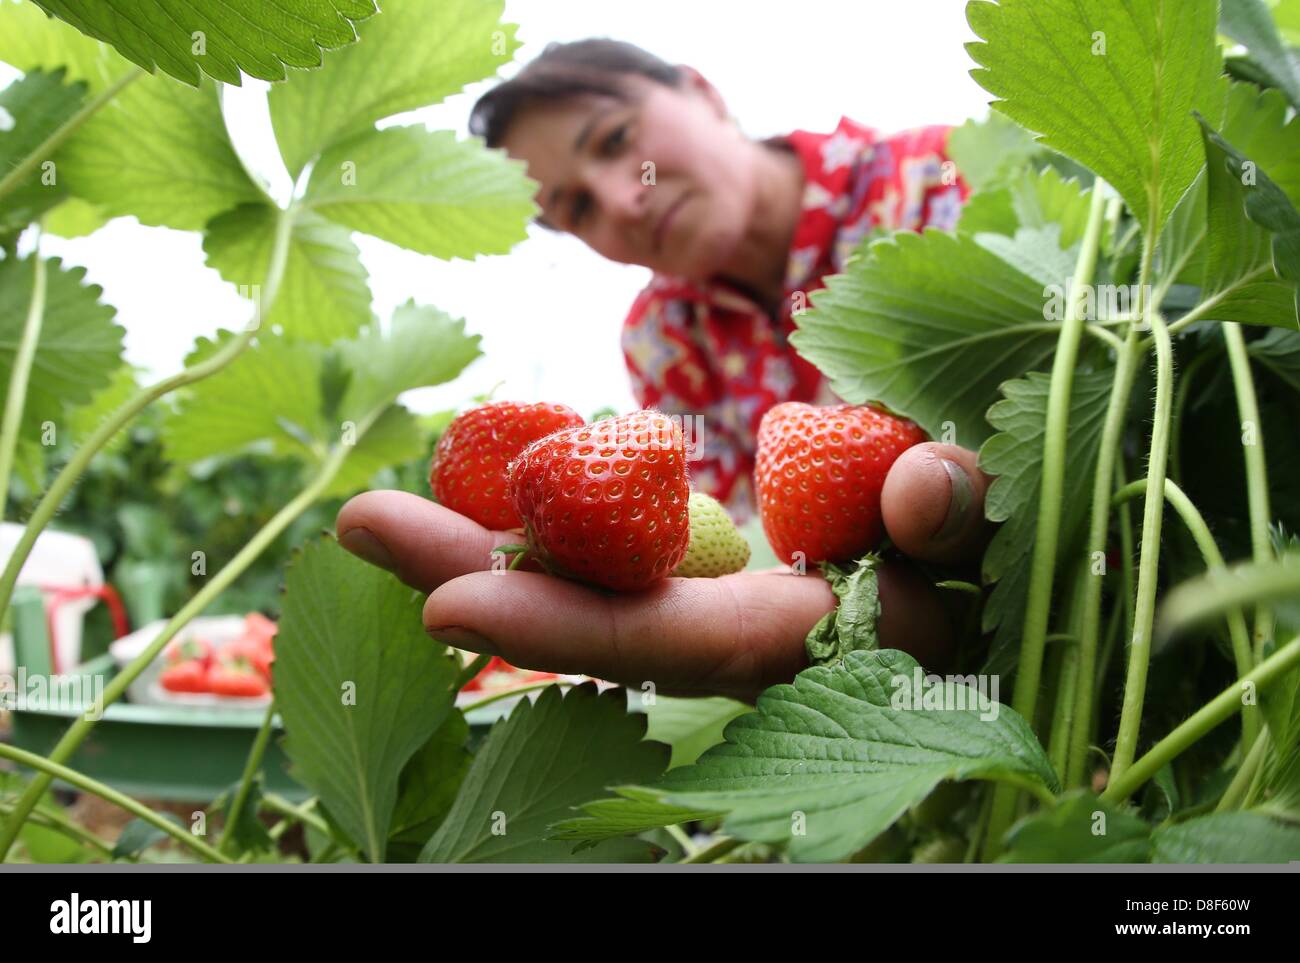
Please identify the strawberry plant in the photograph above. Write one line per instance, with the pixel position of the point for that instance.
(1114, 323)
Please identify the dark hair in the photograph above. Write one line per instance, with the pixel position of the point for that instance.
(563, 71)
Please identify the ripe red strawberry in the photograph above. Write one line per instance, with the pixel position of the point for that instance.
(470, 466)
(818, 475)
(607, 502)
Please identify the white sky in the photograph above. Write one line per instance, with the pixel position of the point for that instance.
(551, 310)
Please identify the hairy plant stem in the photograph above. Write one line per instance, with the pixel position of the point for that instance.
(16, 399)
(1256, 469)
(49, 770)
(1126, 366)
(1144, 607)
(251, 765)
(1200, 532)
(1043, 563)
(77, 464)
(1202, 721)
(1234, 796)
(55, 140)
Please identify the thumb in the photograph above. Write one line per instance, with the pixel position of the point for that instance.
(933, 503)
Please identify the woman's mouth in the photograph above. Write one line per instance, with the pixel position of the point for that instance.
(665, 222)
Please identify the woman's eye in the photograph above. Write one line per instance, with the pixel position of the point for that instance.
(580, 205)
(616, 138)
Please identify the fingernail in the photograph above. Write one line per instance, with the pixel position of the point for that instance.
(461, 638)
(362, 543)
(959, 504)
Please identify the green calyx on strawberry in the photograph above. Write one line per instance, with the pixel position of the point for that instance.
(607, 502)
(818, 474)
(470, 469)
(716, 545)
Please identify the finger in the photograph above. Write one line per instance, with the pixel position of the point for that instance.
(733, 635)
(421, 542)
(933, 503)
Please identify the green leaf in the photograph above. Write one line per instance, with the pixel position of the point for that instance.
(159, 151)
(359, 685)
(633, 810)
(79, 350)
(851, 625)
(138, 835)
(395, 439)
(1036, 200)
(691, 725)
(1249, 23)
(1079, 829)
(1201, 598)
(33, 108)
(430, 782)
(1245, 208)
(931, 324)
(845, 750)
(422, 347)
(412, 55)
(990, 151)
(324, 293)
(75, 217)
(548, 757)
(1110, 83)
(222, 37)
(1015, 456)
(1279, 352)
(29, 39)
(249, 834)
(270, 394)
(426, 191)
(1241, 837)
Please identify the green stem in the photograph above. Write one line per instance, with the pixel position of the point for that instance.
(47, 147)
(72, 471)
(51, 770)
(1103, 666)
(714, 851)
(676, 832)
(1126, 365)
(1206, 718)
(1256, 469)
(301, 814)
(1043, 563)
(78, 731)
(251, 765)
(1234, 796)
(506, 694)
(471, 670)
(22, 369)
(1200, 532)
(61, 824)
(1144, 608)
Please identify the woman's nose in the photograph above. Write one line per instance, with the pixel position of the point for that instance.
(621, 196)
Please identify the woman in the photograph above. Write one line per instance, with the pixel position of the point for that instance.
(639, 159)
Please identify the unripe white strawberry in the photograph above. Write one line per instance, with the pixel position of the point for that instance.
(716, 546)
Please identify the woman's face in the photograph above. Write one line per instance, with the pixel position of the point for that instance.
(666, 181)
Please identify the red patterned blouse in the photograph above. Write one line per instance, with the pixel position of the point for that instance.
(707, 351)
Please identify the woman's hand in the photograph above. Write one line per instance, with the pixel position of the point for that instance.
(734, 635)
